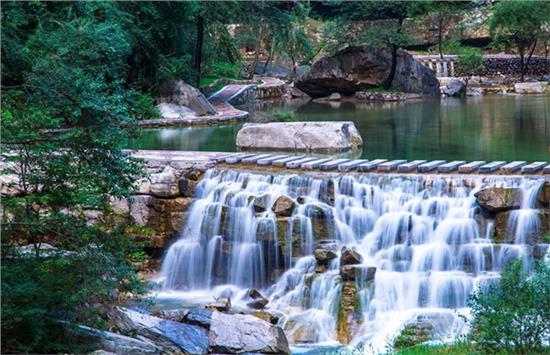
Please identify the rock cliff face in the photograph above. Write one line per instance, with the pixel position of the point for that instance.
(358, 68)
(180, 93)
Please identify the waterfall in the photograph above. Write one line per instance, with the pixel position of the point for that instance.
(424, 236)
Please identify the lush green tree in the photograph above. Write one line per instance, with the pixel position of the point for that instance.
(519, 25)
(515, 313)
(66, 104)
(441, 14)
(470, 61)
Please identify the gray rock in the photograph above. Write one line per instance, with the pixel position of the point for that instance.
(324, 256)
(180, 93)
(332, 97)
(497, 199)
(350, 257)
(172, 111)
(168, 335)
(300, 136)
(537, 87)
(222, 304)
(260, 202)
(358, 68)
(238, 333)
(455, 88)
(107, 342)
(258, 300)
(283, 206)
(199, 317)
(273, 70)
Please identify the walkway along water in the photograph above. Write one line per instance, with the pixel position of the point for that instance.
(352, 258)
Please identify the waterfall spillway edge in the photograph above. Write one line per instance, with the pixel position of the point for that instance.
(421, 245)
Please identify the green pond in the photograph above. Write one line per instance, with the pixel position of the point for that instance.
(475, 128)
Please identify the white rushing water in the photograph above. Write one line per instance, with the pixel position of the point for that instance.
(424, 235)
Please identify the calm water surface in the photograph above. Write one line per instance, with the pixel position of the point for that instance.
(476, 128)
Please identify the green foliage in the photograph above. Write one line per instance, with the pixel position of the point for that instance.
(515, 314)
(224, 70)
(470, 60)
(409, 336)
(285, 116)
(460, 348)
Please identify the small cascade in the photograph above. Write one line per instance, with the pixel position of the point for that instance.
(422, 241)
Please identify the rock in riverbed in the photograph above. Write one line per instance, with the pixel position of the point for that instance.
(236, 333)
(300, 136)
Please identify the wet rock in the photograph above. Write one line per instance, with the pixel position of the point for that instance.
(537, 87)
(267, 316)
(186, 187)
(543, 199)
(346, 314)
(324, 256)
(455, 88)
(283, 206)
(323, 137)
(258, 300)
(180, 93)
(164, 184)
(222, 304)
(260, 203)
(237, 333)
(357, 272)
(111, 343)
(496, 199)
(176, 315)
(173, 111)
(359, 68)
(501, 234)
(350, 257)
(304, 335)
(168, 335)
(199, 317)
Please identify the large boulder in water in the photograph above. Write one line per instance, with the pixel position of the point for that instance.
(455, 88)
(180, 93)
(358, 68)
(496, 199)
(300, 136)
(237, 333)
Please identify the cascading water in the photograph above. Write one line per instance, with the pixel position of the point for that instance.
(424, 247)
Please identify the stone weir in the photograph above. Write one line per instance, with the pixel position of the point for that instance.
(155, 211)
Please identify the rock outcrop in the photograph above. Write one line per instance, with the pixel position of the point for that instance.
(236, 333)
(173, 111)
(537, 87)
(455, 88)
(358, 68)
(300, 136)
(496, 199)
(180, 93)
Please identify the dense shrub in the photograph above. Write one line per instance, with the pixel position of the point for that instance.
(515, 313)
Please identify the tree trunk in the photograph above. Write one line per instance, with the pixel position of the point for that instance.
(521, 65)
(256, 53)
(198, 50)
(529, 57)
(388, 81)
(440, 36)
(269, 58)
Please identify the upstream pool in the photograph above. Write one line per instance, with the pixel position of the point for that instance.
(475, 128)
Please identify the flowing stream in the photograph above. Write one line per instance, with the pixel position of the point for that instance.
(424, 238)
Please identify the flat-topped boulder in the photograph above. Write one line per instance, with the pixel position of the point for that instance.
(300, 136)
(180, 93)
(536, 87)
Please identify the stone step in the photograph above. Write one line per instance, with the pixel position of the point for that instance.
(298, 163)
(268, 161)
(546, 169)
(371, 165)
(255, 158)
(432, 165)
(471, 167)
(224, 157)
(351, 165)
(533, 167)
(491, 167)
(315, 163)
(410, 166)
(237, 158)
(333, 164)
(513, 166)
(450, 166)
(390, 165)
(282, 162)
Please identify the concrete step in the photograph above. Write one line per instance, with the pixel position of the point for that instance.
(223, 157)
(390, 165)
(268, 161)
(432, 165)
(513, 166)
(471, 167)
(282, 162)
(491, 167)
(255, 158)
(298, 163)
(333, 164)
(238, 158)
(315, 163)
(450, 166)
(410, 166)
(351, 165)
(546, 169)
(533, 167)
(371, 165)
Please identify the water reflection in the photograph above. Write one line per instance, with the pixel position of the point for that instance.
(475, 128)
